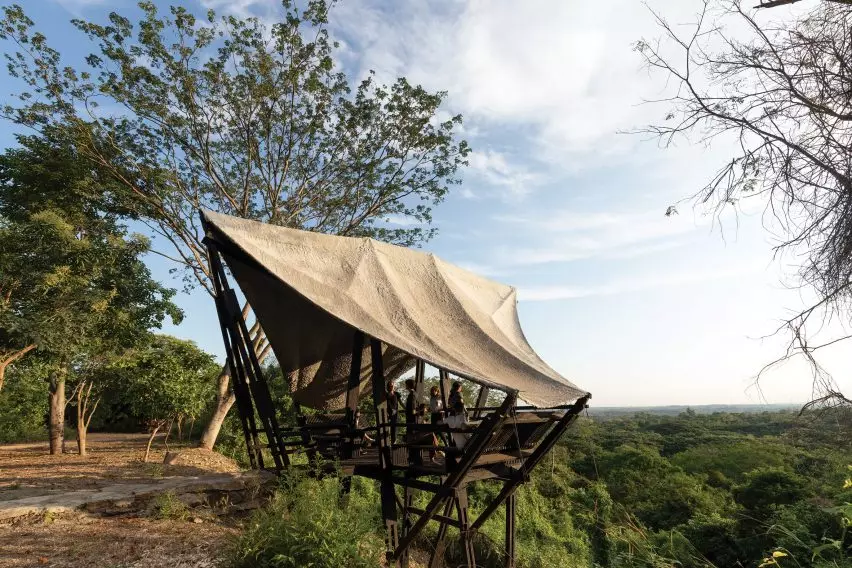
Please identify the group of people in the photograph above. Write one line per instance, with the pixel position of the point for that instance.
(454, 415)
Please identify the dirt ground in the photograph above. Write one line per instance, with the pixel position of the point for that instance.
(28, 469)
(78, 540)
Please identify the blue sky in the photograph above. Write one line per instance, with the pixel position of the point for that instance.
(638, 308)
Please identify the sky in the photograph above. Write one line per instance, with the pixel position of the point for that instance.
(636, 307)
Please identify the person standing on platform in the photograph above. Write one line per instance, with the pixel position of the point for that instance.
(392, 399)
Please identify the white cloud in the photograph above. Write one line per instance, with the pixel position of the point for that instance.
(570, 235)
(550, 293)
(402, 221)
(77, 7)
(564, 70)
(244, 8)
(494, 169)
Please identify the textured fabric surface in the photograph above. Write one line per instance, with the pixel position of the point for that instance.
(310, 292)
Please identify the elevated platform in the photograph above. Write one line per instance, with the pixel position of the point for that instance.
(329, 357)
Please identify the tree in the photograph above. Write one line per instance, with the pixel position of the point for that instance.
(243, 118)
(164, 379)
(23, 405)
(781, 91)
(75, 284)
(768, 487)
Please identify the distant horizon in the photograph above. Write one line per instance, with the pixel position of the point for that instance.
(703, 405)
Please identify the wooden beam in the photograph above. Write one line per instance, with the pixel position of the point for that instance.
(464, 527)
(419, 377)
(436, 517)
(261, 394)
(407, 510)
(436, 560)
(388, 496)
(380, 403)
(353, 385)
(541, 450)
(472, 451)
(510, 531)
(353, 390)
(388, 492)
(253, 380)
(242, 395)
(481, 399)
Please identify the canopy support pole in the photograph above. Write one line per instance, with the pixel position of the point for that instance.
(253, 386)
(353, 390)
(436, 560)
(244, 410)
(464, 526)
(406, 522)
(419, 378)
(384, 443)
(481, 400)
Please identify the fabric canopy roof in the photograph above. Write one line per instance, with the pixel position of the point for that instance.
(310, 291)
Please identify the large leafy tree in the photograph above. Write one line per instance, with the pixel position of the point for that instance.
(75, 286)
(162, 380)
(244, 118)
(780, 89)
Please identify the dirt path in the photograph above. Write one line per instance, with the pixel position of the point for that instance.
(113, 473)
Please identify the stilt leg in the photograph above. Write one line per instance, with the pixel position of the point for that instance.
(466, 533)
(345, 489)
(437, 558)
(406, 523)
(390, 518)
(510, 531)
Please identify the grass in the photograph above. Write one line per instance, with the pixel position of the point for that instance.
(168, 506)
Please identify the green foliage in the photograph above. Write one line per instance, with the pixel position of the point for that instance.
(767, 487)
(168, 506)
(164, 378)
(294, 529)
(72, 278)
(23, 403)
(243, 117)
(660, 494)
(604, 504)
(733, 460)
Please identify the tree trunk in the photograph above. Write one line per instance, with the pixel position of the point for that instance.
(224, 401)
(11, 358)
(168, 433)
(56, 420)
(151, 439)
(84, 414)
(81, 440)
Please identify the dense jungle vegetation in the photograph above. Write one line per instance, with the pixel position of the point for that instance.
(694, 491)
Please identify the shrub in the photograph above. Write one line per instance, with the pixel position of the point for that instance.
(305, 525)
